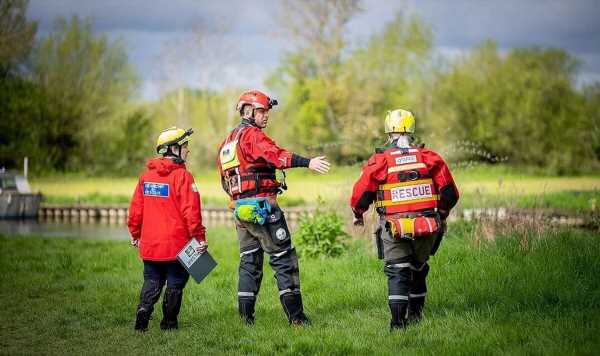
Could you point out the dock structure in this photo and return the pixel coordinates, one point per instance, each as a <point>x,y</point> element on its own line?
<point>117,213</point>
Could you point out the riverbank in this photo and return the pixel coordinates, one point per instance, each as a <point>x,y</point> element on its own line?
<point>520,294</point>
<point>480,187</point>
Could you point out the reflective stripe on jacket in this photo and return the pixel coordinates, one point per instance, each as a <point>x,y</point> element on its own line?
<point>404,180</point>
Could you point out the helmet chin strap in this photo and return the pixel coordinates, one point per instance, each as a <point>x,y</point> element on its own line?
<point>249,121</point>
<point>176,157</point>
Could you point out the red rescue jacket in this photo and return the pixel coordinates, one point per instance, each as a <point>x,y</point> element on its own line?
<point>247,162</point>
<point>165,210</point>
<point>402,180</point>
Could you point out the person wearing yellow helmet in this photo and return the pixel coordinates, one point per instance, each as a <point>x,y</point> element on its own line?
<point>172,142</point>
<point>413,192</point>
<point>400,126</point>
<point>164,214</point>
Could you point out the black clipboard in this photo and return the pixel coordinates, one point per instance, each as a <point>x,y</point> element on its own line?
<point>198,265</point>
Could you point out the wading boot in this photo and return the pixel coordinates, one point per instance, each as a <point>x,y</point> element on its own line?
<point>415,309</point>
<point>399,320</point>
<point>292,306</point>
<point>171,306</point>
<point>142,319</point>
<point>246,309</point>
<point>148,297</point>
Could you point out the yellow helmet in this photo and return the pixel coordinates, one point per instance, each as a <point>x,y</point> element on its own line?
<point>172,136</point>
<point>399,121</point>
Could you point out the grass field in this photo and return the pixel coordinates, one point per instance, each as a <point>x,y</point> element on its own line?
<point>517,294</point>
<point>481,186</point>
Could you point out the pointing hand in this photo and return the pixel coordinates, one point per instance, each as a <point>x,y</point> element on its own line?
<point>319,164</point>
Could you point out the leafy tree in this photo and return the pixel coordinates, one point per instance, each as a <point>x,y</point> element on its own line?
<point>16,35</point>
<point>21,123</point>
<point>592,113</point>
<point>523,106</point>
<point>341,108</point>
<point>85,80</point>
<point>129,141</point>
<point>19,98</point>
<point>211,114</point>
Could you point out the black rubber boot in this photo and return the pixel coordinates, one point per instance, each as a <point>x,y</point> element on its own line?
<point>415,309</point>
<point>246,309</point>
<point>142,319</point>
<point>292,306</point>
<point>171,306</point>
<point>148,297</point>
<point>398,311</point>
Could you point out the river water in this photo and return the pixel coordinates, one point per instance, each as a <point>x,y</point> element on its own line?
<point>94,229</point>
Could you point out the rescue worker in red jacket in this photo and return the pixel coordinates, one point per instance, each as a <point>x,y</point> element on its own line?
<point>163,216</point>
<point>413,192</point>
<point>247,161</point>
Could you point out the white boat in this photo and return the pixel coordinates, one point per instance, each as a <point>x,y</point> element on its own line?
<point>16,198</point>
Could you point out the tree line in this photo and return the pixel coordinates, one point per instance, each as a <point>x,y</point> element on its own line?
<point>68,99</point>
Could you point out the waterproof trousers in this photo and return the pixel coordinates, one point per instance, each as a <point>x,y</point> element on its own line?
<point>255,240</point>
<point>156,275</point>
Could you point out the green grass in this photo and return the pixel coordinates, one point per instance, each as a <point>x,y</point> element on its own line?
<point>519,294</point>
<point>566,201</point>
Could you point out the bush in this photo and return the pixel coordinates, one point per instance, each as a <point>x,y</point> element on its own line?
<point>321,235</point>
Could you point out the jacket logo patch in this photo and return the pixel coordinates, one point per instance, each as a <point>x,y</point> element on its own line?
<point>411,192</point>
<point>406,159</point>
<point>281,234</point>
<point>156,189</point>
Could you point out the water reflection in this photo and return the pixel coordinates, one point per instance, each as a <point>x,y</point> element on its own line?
<point>93,229</point>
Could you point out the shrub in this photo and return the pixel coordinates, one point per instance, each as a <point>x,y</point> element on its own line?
<point>321,235</point>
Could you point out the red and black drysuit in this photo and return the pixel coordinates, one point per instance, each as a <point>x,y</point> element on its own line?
<point>406,183</point>
<point>252,177</point>
<point>164,214</point>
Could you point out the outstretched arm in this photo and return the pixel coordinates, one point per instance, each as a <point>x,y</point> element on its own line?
<point>256,144</point>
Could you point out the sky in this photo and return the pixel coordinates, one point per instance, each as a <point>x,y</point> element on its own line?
<point>239,43</point>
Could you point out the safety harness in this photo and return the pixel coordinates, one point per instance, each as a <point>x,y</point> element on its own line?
<point>409,187</point>
<point>242,179</point>
<point>408,199</point>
